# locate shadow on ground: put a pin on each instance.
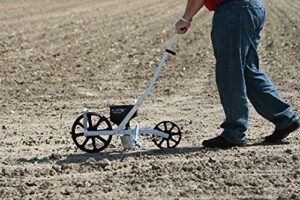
(121, 155)
(115, 155)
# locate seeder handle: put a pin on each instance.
(140, 101)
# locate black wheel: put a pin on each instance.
(91, 144)
(172, 130)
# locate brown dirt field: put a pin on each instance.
(56, 56)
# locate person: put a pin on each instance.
(235, 35)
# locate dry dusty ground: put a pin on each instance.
(56, 56)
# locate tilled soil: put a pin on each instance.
(57, 56)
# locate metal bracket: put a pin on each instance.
(85, 111)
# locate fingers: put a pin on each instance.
(181, 27)
(182, 30)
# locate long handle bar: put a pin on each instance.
(142, 98)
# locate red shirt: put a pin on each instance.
(210, 4)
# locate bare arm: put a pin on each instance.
(192, 8)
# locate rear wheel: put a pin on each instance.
(172, 130)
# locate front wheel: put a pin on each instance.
(91, 144)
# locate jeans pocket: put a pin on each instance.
(254, 3)
(253, 19)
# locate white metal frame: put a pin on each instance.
(134, 133)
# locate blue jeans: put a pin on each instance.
(235, 37)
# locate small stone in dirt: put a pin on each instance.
(89, 191)
(52, 172)
(19, 82)
(31, 184)
(65, 167)
(295, 196)
(211, 160)
(66, 192)
(295, 158)
(3, 127)
(187, 168)
(56, 168)
(79, 184)
(4, 172)
(89, 51)
(32, 192)
(183, 194)
(56, 55)
(106, 190)
(37, 175)
(168, 91)
(91, 160)
(199, 168)
(155, 167)
(22, 172)
(289, 151)
(104, 163)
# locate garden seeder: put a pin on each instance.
(92, 132)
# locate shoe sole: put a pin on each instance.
(284, 133)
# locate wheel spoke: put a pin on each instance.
(80, 124)
(177, 133)
(160, 143)
(173, 140)
(165, 126)
(98, 123)
(173, 126)
(94, 143)
(79, 134)
(101, 139)
(159, 129)
(85, 141)
(168, 143)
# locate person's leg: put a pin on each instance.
(260, 89)
(235, 37)
(226, 39)
(263, 95)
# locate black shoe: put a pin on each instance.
(279, 134)
(220, 142)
